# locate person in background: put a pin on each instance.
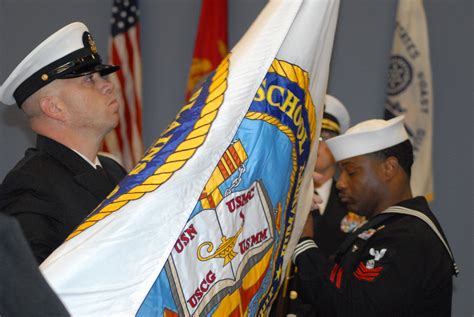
(332, 220)
(71, 106)
(398, 263)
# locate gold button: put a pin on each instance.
(293, 295)
(44, 77)
(355, 248)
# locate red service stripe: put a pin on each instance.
(374, 274)
(339, 278)
(333, 272)
(364, 278)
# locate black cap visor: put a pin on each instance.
(79, 63)
(102, 69)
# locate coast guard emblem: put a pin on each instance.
(400, 75)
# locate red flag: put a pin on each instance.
(125, 141)
(211, 42)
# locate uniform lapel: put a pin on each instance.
(82, 172)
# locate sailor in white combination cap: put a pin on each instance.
(398, 263)
(61, 88)
(335, 117)
(68, 53)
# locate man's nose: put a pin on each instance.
(341, 182)
(107, 86)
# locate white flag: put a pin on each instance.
(207, 221)
(410, 90)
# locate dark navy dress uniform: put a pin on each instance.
(23, 290)
(394, 265)
(51, 190)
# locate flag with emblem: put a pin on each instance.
(410, 90)
(207, 221)
(211, 43)
(125, 142)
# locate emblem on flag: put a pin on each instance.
(400, 75)
(234, 237)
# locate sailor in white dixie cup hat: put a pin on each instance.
(368, 136)
(332, 220)
(71, 106)
(398, 263)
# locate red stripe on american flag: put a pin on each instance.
(137, 34)
(137, 96)
(129, 114)
(116, 60)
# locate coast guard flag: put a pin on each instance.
(410, 90)
(207, 221)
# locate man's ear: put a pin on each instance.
(390, 167)
(52, 107)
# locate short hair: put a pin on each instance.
(403, 152)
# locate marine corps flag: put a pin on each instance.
(207, 222)
(211, 42)
(410, 90)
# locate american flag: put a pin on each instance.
(125, 141)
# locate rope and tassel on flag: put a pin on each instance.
(410, 91)
(211, 43)
(125, 142)
(206, 223)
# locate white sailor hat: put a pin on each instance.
(70, 52)
(367, 137)
(335, 117)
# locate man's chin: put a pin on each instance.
(352, 206)
(114, 123)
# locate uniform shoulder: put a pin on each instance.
(34, 166)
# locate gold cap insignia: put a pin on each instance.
(92, 44)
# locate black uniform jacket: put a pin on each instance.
(335, 224)
(394, 265)
(51, 190)
(23, 290)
